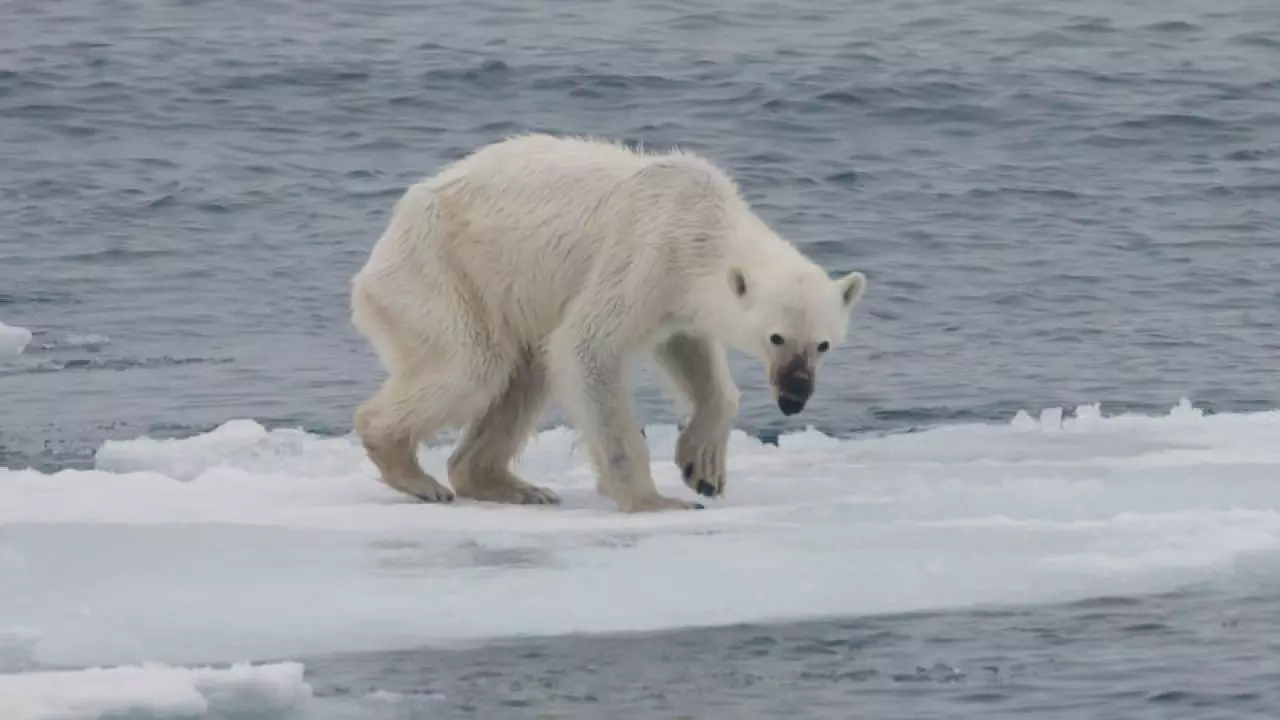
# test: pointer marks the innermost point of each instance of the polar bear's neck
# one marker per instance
(755, 247)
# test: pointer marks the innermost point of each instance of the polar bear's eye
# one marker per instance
(824, 346)
(776, 339)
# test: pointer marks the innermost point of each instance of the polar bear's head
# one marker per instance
(790, 322)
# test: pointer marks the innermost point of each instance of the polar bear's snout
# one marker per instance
(793, 385)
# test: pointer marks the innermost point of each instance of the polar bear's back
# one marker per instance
(539, 213)
(513, 234)
(573, 168)
(533, 156)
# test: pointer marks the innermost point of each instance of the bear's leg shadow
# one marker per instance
(696, 367)
(480, 467)
(391, 424)
(591, 378)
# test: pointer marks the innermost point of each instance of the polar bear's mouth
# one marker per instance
(793, 392)
(790, 405)
(793, 385)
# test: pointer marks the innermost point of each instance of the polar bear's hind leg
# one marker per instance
(480, 468)
(391, 425)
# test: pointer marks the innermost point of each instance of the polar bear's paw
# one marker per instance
(502, 487)
(419, 485)
(658, 503)
(701, 459)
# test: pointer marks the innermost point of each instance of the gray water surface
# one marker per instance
(1177, 655)
(1055, 203)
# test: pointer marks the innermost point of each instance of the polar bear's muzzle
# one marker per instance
(793, 384)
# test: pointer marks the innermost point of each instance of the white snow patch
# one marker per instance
(13, 340)
(153, 691)
(247, 543)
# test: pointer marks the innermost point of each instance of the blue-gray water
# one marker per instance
(1056, 203)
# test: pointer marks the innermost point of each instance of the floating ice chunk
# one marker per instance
(13, 340)
(154, 691)
(252, 543)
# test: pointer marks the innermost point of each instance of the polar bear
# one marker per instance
(542, 266)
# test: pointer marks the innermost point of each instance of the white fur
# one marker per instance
(542, 266)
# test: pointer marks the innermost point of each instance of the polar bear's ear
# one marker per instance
(738, 282)
(851, 288)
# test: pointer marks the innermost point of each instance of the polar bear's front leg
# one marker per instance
(697, 368)
(592, 382)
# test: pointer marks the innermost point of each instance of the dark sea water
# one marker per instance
(1107, 657)
(1055, 204)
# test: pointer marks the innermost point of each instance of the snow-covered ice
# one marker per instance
(13, 340)
(153, 691)
(248, 544)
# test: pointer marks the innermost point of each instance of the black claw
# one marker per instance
(705, 488)
(688, 470)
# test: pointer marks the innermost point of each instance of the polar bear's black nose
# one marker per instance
(799, 385)
(790, 405)
(795, 385)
